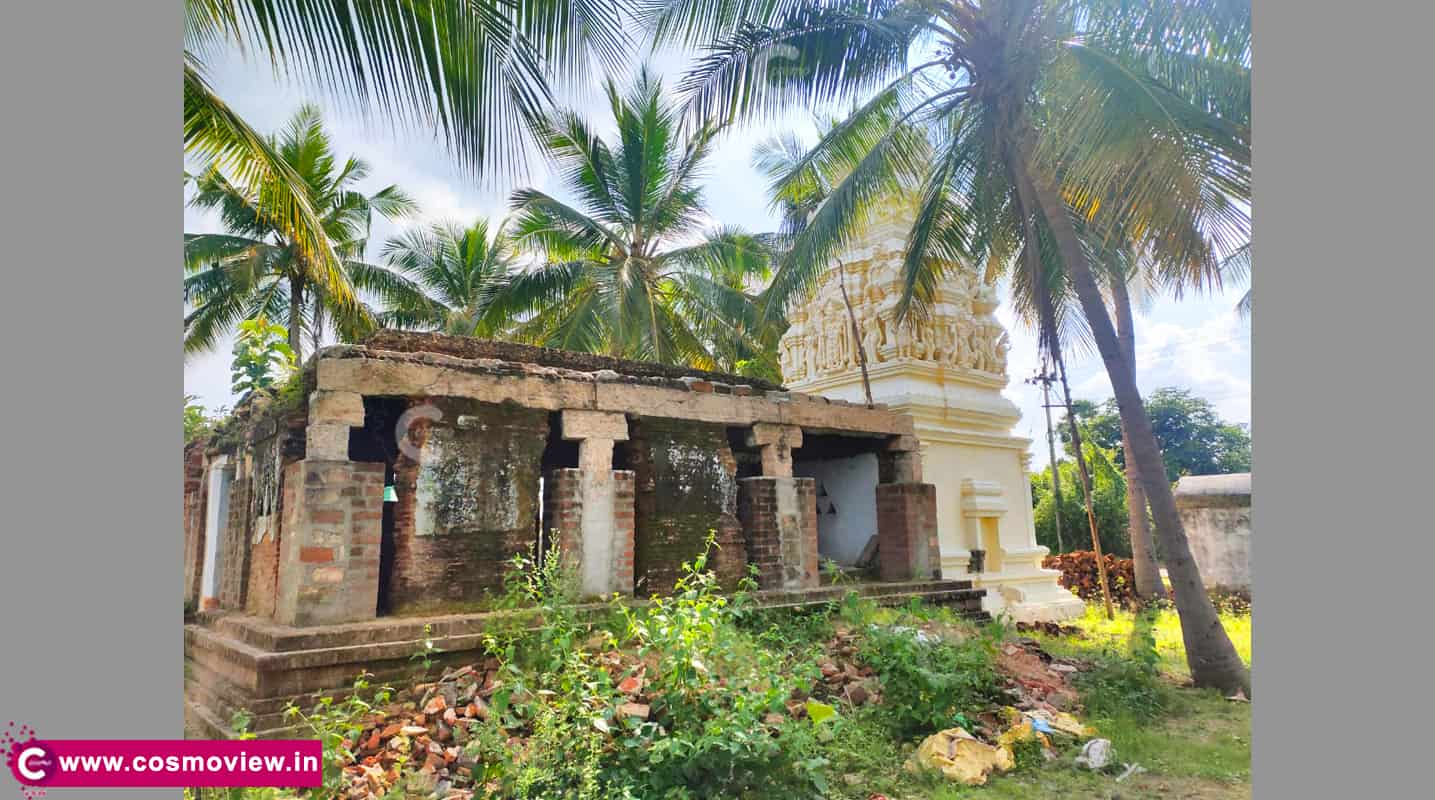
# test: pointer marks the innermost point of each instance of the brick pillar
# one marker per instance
(907, 546)
(591, 515)
(779, 521)
(593, 522)
(329, 560)
(194, 504)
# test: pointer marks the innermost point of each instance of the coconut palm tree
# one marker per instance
(1039, 115)
(255, 269)
(461, 271)
(479, 71)
(629, 270)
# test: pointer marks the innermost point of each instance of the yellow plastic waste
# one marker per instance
(960, 757)
(1022, 733)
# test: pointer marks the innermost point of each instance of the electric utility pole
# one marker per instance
(1046, 379)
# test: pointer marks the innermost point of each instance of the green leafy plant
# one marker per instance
(261, 356)
(927, 681)
(428, 651)
(337, 723)
(1128, 685)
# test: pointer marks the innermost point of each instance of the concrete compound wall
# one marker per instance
(1216, 513)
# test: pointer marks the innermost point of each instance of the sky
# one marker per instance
(1197, 343)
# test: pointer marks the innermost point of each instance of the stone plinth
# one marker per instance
(779, 522)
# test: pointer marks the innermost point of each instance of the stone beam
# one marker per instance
(410, 377)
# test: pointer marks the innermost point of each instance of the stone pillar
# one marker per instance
(331, 415)
(907, 531)
(779, 512)
(591, 507)
(775, 442)
(329, 558)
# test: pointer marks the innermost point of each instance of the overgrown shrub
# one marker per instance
(927, 681)
(1080, 575)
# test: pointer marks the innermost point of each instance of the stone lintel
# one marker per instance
(584, 424)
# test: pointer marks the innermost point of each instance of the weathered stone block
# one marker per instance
(346, 408)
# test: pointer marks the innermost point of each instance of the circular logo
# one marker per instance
(33, 763)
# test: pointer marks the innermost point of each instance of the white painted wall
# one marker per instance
(216, 513)
(851, 483)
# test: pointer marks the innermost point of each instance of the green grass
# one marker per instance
(1103, 634)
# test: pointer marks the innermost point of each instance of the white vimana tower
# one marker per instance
(947, 371)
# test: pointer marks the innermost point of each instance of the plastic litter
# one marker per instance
(960, 757)
(1059, 722)
(1131, 769)
(1095, 754)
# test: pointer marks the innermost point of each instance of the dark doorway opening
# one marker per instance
(377, 442)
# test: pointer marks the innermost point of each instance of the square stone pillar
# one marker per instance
(775, 443)
(591, 507)
(907, 546)
(331, 415)
(329, 557)
(779, 520)
(590, 514)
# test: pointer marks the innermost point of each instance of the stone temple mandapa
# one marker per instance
(329, 531)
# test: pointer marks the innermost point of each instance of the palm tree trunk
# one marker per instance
(1143, 552)
(1209, 653)
(856, 331)
(317, 334)
(296, 318)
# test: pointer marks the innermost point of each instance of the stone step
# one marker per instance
(271, 637)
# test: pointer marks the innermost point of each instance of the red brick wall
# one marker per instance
(779, 563)
(263, 577)
(463, 560)
(194, 500)
(563, 513)
(624, 517)
(907, 531)
(329, 562)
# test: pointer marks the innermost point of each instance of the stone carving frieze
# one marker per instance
(959, 332)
